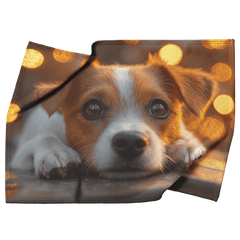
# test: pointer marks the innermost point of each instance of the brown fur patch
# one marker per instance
(196, 88)
(149, 84)
(94, 82)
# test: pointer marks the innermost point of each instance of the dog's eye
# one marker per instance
(93, 110)
(158, 108)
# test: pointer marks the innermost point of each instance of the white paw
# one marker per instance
(53, 159)
(186, 157)
(187, 152)
(197, 152)
(192, 154)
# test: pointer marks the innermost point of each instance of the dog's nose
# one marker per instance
(129, 143)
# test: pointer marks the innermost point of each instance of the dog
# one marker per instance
(119, 121)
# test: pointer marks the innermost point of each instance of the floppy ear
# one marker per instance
(196, 87)
(52, 104)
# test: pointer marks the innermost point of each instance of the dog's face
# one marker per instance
(122, 119)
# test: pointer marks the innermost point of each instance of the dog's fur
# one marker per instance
(125, 94)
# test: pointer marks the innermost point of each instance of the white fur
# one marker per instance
(195, 147)
(42, 145)
(130, 120)
(106, 158)
(124, 83)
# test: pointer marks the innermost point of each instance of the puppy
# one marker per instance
(119, 121)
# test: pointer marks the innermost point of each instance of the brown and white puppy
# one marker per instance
(120, 121)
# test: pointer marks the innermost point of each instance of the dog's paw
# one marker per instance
(196, 152)
(55, 160)
(188, 152)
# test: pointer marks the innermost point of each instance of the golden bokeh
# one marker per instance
(192, 122)
(232, 122)
(216, 43)
(212, 128)
(224, 104)
(171, 54)
(11, 190)
(131, 41)
(9, 175)
(222, 72)
(12, 112)
(32, 59)
(63, 56)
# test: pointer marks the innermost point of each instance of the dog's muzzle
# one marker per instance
(129, 144)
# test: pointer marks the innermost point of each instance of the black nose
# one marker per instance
(129, 143)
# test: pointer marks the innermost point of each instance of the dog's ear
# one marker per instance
(196, 88)
(52, 104)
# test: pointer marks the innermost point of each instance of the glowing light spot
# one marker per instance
(12, 112)
(32, 59)
(63, 56)
(212, 163)
(224, 104)
(216, 43)
(11, 190)
(232, 116)
(212, 128)
(9, 175)
(222, 72)
(131, 41)
(192, 122)
(171, 54)
(12, 185)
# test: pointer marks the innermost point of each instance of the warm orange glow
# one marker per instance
(222, 72)
(9, 175)
(171, 54)
(216, 43)
(12, 185)
(131, 41)
(224, 104)
(12, 112)
(232, 116)
(192, 122)
(212, 128)
(63, 56)
(212, 163)
(32, 59)
(11, 190)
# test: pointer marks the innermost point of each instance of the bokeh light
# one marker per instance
(216, 43)
(222, 72)
(131, 41)
(32, 59)
(63, 56)
(192, 122)
(12, 112)
(9, 175)
(212, 128)
(224, 104)
(171, 54)
(11, 190)
(232, 116)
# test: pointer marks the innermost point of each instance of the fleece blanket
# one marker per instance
(202, 177)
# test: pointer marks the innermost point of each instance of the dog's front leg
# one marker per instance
(194, 146)
(51, 157)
